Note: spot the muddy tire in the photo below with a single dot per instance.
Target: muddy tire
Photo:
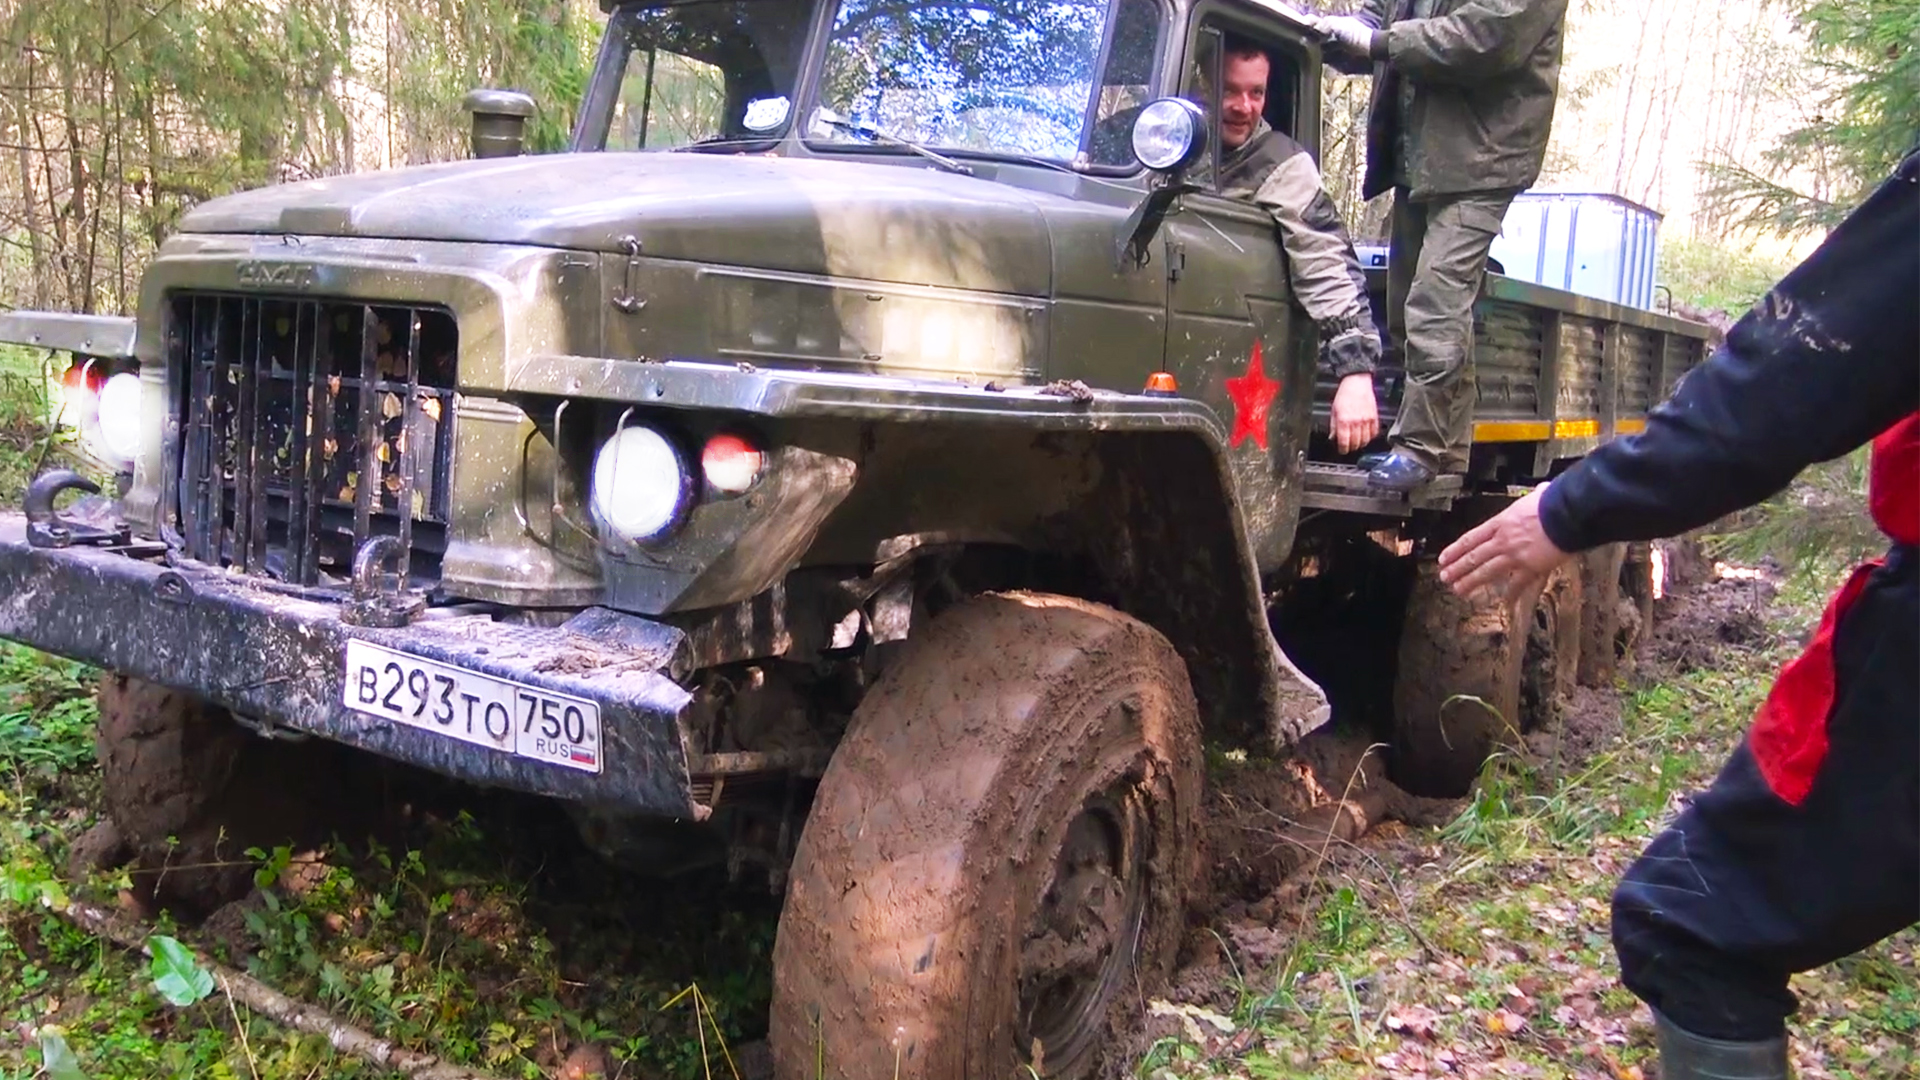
(190, 790)
(1456, 694)
(1551, 668)
(999, 855)
(1636, 593)
(1600, 614)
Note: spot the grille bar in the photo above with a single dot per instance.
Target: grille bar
(203, 410)
(367, 484)
(322, 440)
(299, 524)
(409, 417)
(307, 422)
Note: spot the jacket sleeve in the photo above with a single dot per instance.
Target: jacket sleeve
(1321, 264)
(1480, 39)
(1829, 359)
(1374, 14)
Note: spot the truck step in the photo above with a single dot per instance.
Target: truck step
(1332, 486)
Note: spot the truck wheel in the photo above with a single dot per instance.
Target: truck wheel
(1636, 588)
(1456, 694)
(1600, 571)
(1551, 669)
(190, 790)
(997, 861)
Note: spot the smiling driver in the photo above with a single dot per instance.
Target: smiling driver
(1264, 166)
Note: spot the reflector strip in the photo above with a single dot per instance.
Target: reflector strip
(1541, 431)
(1511, 431)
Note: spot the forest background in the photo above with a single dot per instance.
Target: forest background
(1749, 124)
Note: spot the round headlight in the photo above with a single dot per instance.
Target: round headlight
(641, 486)
(119, 417)
(1169, 134)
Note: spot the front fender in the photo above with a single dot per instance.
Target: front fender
(1152, 501)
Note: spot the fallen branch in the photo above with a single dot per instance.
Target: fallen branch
(271, 1003)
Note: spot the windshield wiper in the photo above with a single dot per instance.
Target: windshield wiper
(834, 120)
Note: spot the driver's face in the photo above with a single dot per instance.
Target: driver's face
(1244, 98)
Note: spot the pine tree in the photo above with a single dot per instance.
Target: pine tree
(1868, 52)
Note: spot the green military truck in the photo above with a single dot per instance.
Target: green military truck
(849, 454)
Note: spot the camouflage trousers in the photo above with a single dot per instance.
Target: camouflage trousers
(1436, 262)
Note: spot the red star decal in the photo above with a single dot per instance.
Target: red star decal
(1252, 395)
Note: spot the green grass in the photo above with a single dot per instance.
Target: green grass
(1507, 908)
(23, 411)
(457, 942)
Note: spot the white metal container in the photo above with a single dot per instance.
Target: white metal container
(1593, 244)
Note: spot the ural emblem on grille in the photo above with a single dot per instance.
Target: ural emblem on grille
(278, 275)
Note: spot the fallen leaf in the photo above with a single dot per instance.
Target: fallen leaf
(1518, 1001)
(586, 1062)
(1191, 1017)
(1415, 1020)
(1506, 1022)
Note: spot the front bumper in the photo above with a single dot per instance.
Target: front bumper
(279, 660)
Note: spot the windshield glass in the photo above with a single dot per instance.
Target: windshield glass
(706, 73)
(1013, 77)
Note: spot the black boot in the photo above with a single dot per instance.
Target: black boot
(1399, 471)
(1686, 1056)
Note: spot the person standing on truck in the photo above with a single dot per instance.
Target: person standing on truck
(1462, 105)
(1266, 167)
(1806, 848)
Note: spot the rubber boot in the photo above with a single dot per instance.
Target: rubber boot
(1686, 1056)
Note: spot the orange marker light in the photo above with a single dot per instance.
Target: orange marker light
(1161, 384)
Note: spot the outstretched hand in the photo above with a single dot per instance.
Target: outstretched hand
(1509, 554)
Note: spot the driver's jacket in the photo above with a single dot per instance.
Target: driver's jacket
(1277, 173)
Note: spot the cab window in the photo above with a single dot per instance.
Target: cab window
(1224, 73)
(1053, 80)
(706, 73)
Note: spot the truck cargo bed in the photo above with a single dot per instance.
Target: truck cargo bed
(1557, 373)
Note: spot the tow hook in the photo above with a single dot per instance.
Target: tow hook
(46, 528)
(381, 598)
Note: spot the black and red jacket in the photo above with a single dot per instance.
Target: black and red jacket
(1828, 361)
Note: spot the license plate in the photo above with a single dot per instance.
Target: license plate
(508, 716)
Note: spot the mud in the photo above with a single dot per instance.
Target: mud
(1256, 830)
(1457, 688)
(189, 791)
(1694, 628)
(1270, 823)
(1589, 719)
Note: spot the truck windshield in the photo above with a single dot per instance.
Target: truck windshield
(706, 73)
(1022, 78)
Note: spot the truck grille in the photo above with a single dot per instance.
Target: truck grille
(309, 426)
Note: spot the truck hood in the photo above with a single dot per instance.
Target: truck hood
(894, 223)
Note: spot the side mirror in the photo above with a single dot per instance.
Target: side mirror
(1169, 137)
(499, 121)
